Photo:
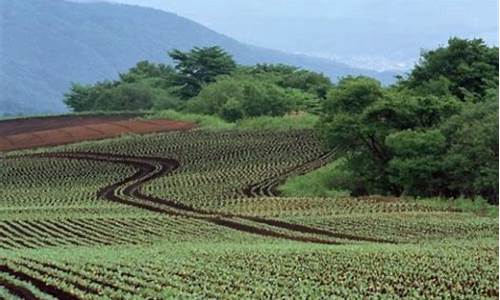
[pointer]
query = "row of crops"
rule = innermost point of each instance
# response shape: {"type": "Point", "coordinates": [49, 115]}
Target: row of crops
{"type": "Point", "coordinates": [82, 175]}
{"type": "Point", "coordinates": [224, 171]}
{"type": "Point", "coordinates": [33, 234]}
{"type": "Point", "coordinates": [259, 271]}
{"type": "Point", "coordinates": [45, 183]}
{"type": "Point", "coordinates": [216, 166]}
{"type": "Point", "coordinates": [197, 215]}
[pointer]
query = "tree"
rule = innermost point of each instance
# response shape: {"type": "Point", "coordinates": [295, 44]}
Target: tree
{"type": "Point", "coordinates": [79, 97]}
{"type": "Point", "coordinates": [417, 164]}
{"type": "Point", "coordinates": [198, 67]}
{"type": "Point", "coordinates": [457, 157]}
{"type": "Point", "coordinates": [471, 161]}
{"type": "Point", "coordinates": [147, 70]}
{"type": "Point", "coordinates": [87, 97]}
{"type": "Point", "coordinates": [234, 98]}
{"type": "Point", "coordinates": [127, 96]}
{"type": "Point", "coordinates": [468, 68]}
{"type": "Point", "coordinates": [291, 77]}
{"type": "Point", "coordinates": [345, 124]}
{"type": "Point", "coordinates": [384, 135]}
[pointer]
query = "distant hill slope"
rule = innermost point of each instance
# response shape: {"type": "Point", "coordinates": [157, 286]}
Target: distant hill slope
{"type": "Point", "coordinates": [47, 44]}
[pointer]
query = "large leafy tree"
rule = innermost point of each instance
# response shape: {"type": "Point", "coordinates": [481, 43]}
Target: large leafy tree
{"type": "Point", "coordinates": [471, 160]}
{"type": "Point", "coordinates": [458, 157]}
{"type": "Point", "coordinates": [466, 68]}
{"type": "Point", "coordinates": [374, 126]}
{"type": "Point", "coordinates": [200, 66]}
{"type": "Point", "coordinates": [434, 133]}
{"type": "Point", "coordinates": [346, 125]}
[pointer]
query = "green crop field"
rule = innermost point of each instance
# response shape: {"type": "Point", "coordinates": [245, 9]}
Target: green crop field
{"type": "Point", "coordinates": [199, 215]}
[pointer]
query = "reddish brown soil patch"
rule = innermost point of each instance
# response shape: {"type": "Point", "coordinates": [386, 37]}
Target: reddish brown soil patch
{"type": "Point", "coordinates": [17, 126]}
{"type": "Point", "coordinates": [41, 132]}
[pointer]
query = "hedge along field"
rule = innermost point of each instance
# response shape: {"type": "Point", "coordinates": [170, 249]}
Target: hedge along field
{"type": "Point", "coordinates": [199, 215]}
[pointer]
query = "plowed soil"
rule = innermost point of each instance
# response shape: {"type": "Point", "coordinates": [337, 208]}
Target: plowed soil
{"type": "Point", "coordinates": [51, 131]}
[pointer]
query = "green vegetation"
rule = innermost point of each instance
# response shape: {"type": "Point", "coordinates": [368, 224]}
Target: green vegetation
{"type": "Point", "coordinates": [209, 122]}
{"type": "Point", "coordinates": [271, 189]}
{"type": "Point", "coordinates": [234, 99]}
{"type": "Point", "coordinates": [323, 182]}
{"type": "Point", "coordinates": [206, 81]}
{"type": "Point", "coordinates": [466, 69]}
{"type": "Point", "coordinates": [435, 133]}
{"type": "Point", "coordinates": [204, 121]}
{"type": "Point", "coordinates": [291, 187]}
{"type": "Point", "coordinates": [199, 67]}
{"type": "Point", "coordinates": [287, 122]}
{"type": "Point", "coordinates": [478, 206]}
{"type": "Point", "coordinates": [59, 238]}
{"type": "Point", "coordinates": [255, 270]}
{"type": "Point", "coordinates": [143, 87]}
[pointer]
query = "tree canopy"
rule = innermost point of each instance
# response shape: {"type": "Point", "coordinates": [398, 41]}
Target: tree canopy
{"type": "Point", "coordinates": [467, 68]}
{"type": "Point", "coordinates": [198, 67]}
{"type": "Point", "coordinates": [435, 133]}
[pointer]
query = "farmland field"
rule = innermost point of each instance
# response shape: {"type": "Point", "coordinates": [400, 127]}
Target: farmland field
{"type": "Point", "coordinates": [28, 133]}
{"type": "Point", "coordinates": [198, 214]}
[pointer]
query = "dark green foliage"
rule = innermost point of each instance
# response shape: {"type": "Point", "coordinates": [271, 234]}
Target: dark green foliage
{"type": "Point", "coordinates": [87, 97]}
{"type": "Point", "coordinates": [235, 98]}
{"type": "Point", "coordinates": [262, 90]}
{"type": "Point", "coordinates": [472, 156]}
{"type": "Point", "coordinates": [292, 77]}
{"type": "Point", "coordinates": [435, 133]}
{"type": "Point", "coordinates": [417, 166]}
{"type": "Point", "coordinates": [353, 121]}
{"type": "Point", "coordinates": [130, 96]}
{"type": "Point", "coordinates": [460, 157]}
{"type": "Point", "coordinates": [164, 74]}
{"type": "Point", "coordinates": [143, 87]}
{"type": "Point", "coordinates": [228, 91]}
{"type": "Point", "coordinates": [198, 67]}
{"type": "Point", "coordinates": [353, 94]}
{"type": "Point", "coordinates": [468, 68]}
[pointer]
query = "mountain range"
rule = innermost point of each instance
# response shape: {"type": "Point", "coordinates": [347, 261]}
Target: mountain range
{"type": "Point", "coordinates": [370, 34]}
{"type": "Point", "coordinates": [47, 44]}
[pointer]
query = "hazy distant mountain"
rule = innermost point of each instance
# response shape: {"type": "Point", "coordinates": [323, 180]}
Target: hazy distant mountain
{"type": "Point", "coordinates": [379, 34]}
{"type": "Point", "coordinates": [46, 44]}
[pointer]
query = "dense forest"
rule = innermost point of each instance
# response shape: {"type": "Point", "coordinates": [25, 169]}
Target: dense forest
{"type": "Point", "coordinates": [433, 133]}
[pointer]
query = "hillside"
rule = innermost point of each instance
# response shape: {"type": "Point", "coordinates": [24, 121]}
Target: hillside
{"type": "Point", "coordinates": [47, 44]}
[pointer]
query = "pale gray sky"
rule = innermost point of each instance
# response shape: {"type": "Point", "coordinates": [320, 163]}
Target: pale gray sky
{"type": "Point", "coordinates": [378, 34]}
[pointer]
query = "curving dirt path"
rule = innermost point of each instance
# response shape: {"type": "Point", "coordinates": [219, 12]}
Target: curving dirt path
{"type": "Point", "coordinates": [269, 186]}
{"type": "Point", "coordinates": [128, 191]}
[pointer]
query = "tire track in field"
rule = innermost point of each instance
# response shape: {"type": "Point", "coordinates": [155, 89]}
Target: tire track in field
{"type": "Point", "coordinates": [269, 186]}
{"type": "Point", "coordinates": [128, 191]}
{"type": "Point", "coordinates": [38, 283]}
{"type": "Point", "coordinates": [18, 291]}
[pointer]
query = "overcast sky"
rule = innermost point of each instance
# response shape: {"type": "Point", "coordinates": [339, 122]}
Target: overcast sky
{"type": "Point", "coordinates": [378, 34]}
